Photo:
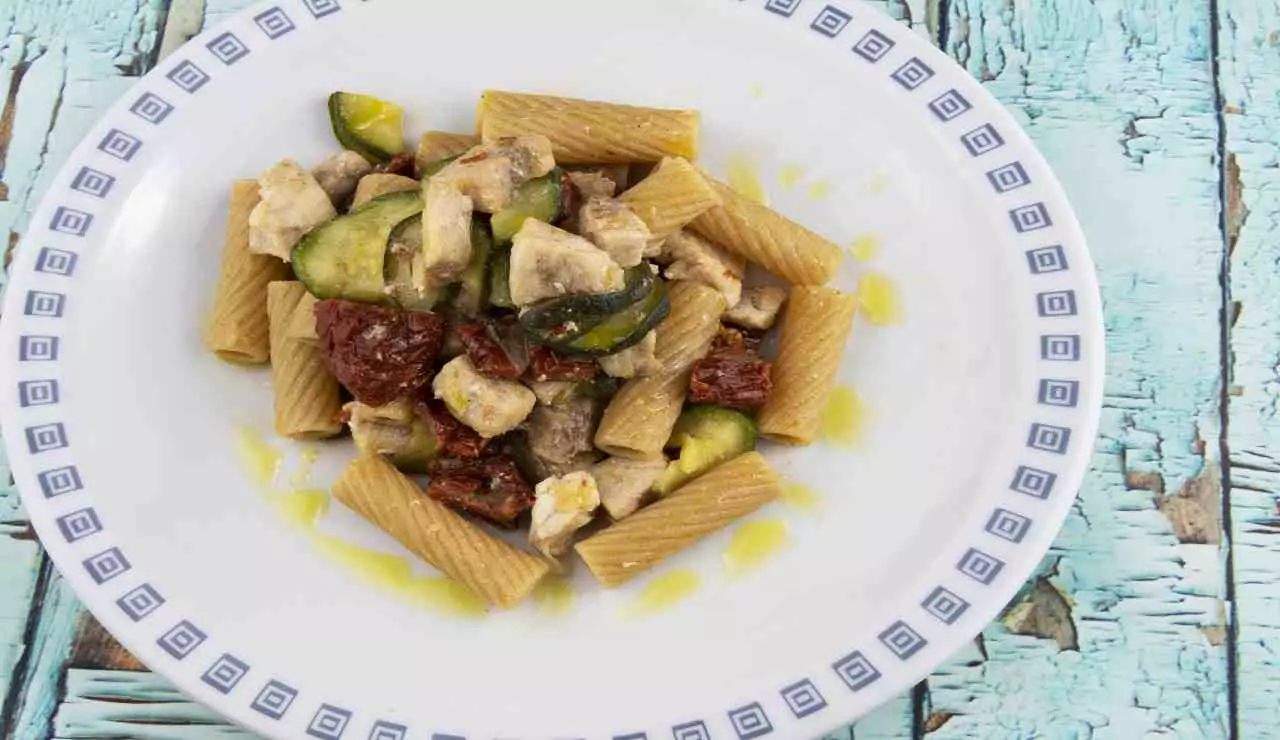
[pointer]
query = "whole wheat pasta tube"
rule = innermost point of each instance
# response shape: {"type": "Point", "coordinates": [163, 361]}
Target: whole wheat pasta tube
{"type": "Point", "coordinates": [437, 145]}
{"type": "Point", "coordinates": [485, 564]}
{"type": "Point", "coordinates": [710, 502]}
{"type": "Point", "coordinates": [813, 336]}
{"type": "Point", "coordinates": [768, 238]}
{"type": "Point", "coordinates": [639, 419]}
{"type": "Point", "coordinates": [238, 329]}
{"type": "Point", "coordinates": [307, 403]}
{"type": "Point", "coordinates": [302, 324]}
{"type": "Point", "coordinates": [586, 131]}
{"type": "Point", "coordinates": [674, 194]}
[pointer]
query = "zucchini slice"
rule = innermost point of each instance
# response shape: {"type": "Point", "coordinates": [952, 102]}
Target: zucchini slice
{"type": "Point", "coordinates": [566, 317]}
{"type": "Point", "coordinates": [706, 436]}
{"type": "Point", "coordinates": [367, 125]}
{"type": "Point", "coordinates": [541, 198]}
{"type": "Point", "coordinates": [344, 258]}
{"type": "Point", "coordinates": [623, 329]}
{"type": "Point", "coordinates": [473, 286]}
{"type": "Point", "coordinates": [401, 265]}
{"type": "Point", "coordinates": [500, 278]}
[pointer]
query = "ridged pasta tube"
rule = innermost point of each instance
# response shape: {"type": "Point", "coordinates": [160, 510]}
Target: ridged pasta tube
{"type": "Point", "coordinates": [768, 238]}
{"type": "Point", "coordinates": [814, 332]}
{"type": "Point", "coordinates": [710, 502]}
{"type": "Point", "coordinates": [491, 568]}
{"type": "Point", "coordinates": [673, 195]}
{"type": "Point", "coordinates": [238, 329]}
{"type": "Point", "coordinates": [639, 419]}
{"type": "Point", "coordinates": [590, 132]}
{"type": "Point", "coordinates": [437, 145]}
{"type": "Point", "coordinates": [306, 394]}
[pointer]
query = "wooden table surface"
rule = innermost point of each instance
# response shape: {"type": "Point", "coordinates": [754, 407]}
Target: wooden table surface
{"type": "Point", "coordinates": [1157, 613]}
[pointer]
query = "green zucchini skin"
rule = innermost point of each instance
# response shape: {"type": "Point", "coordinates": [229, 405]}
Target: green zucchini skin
{"type": "Point", "coordinates": [548, 318]}
{"type": "Point", "coordinates": [345, 257]}
{"type": "Point", "coordinates": [500, 278]}
{"type": "Point", "coordinates": [623, 329]}
{"type": "Point", "coordinates": [473, 286]}
{"type": "Point", "coordinates": [706, 437]}
{"type": "Point", "coordinates": [377, 143]}
{"type": "Point", "coordinates": [541, 198]}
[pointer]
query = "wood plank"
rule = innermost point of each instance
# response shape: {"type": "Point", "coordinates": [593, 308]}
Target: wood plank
{"type": "Point", "coordinates": [1248, 37]}
{"type": "Point", "coordinates": [1121, 634]}
{"type": "Point", "coordinates": [60, 64]}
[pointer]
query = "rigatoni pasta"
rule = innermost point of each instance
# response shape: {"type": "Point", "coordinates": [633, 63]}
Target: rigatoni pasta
{"type": "Point", "coordinates": [590, 132]}
{"type": "Point", "coordinates": [768, 238]}
{"type": "Point", "coordinates": [814, 331]}
{"type": "Point", "coordinates": [438, 145]}
{"type": "Point", "coordinates": [307, 401]}
{"type": "Point", "coordinates": [727, 492]}
{"type": "Point", "coordinates": [639, 419]}
{"type": "Point", "coordinates": [238, 328]}
{"type": "Point", "coordinates": [674, 194]}
{"type": "Point", "coordinates": [491, 568]}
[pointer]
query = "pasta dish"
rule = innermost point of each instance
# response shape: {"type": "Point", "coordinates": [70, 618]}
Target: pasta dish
{"type": "Point", "coordinates": [546, 318]}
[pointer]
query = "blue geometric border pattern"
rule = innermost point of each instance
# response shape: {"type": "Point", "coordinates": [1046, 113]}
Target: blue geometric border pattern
{"type": "Point", "coordinates": [140, 602]}
{"type": "Point", "coordinates": [329, 722]}
{"type": "Point", "coordinates": [225, 673]}
{"type": "Point", "coordinates": [696, 730]}
{"type": "Point", "coordinates": [750, 721]}
{"type": "Point", "coordinates": [383, 730]}
{"type": "Point", "coordinates": [274, 699]}
{"type": "Point", "coordinates": [79, 524]}
{"type": "Point", "coordinates": [803, 698]}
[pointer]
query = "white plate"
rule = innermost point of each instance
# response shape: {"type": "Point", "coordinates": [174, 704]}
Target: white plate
{"type": "Point", "coordinates": [983, 402]}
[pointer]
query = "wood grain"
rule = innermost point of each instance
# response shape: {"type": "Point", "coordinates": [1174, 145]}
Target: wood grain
{"type": "Point", "coordinates": [1120, 98]}
{"type": "Point", "coordinates": [1249, 80]}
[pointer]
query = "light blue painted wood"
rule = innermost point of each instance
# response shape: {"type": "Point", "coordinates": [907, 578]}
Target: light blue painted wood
{"type": "Point", "coordinates": [1250, 83]}
{"type": "Point", "coordinates": [60, 64]}
{"type": "Point", "coordinates": [1119, 96]}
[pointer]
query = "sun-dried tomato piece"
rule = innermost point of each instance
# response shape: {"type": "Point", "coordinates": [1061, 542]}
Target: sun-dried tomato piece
{"type": "Point", "coordinates": [456, 439]}
{"type": "Point", "coordinates": [731, 377]}
{"type": "Point", "coordinates": [488, 357]}
{"type": "Point", "coordinates": [401, 164]}
{"type": "Point", "coordinates": [546, 364]}
{"type": "Point", "coordinates": [379, 353]}
{"type": "Point", "coordinates": [492, 488]}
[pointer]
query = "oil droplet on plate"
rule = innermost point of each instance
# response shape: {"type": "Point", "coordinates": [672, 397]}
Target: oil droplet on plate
{"type": "Point", "coordinates": [877, 185]}
{"type": "Point", "coordinates": [754, 543]}
{"type": "Point", "coordinates": [664, 592]}
{"type": "Point", "coordinates": [878, 299]}
{"type": "Point", "coordinates": [302, 507]}
{"type": "Point", "coordinates": [790, 174]}
{"type": "Point", "coordinates": [260, 459]}
{"type": "Point", "coordinates": [394, 574]}
{"type": "Point", "coordinates": [843, 417]}
{"type": "Point", "coordinates": [819, 190]}
{"type": "Point", "coordinates": [307, 460]}
{"type": "Point", "coordinates": [757, 91]}
{"type": "Point", "coordinates": [800, 496]}
{"type": "Point", "coordinates": [864, 248]}
{"type": "Point", "coordinates": [744, 177]}
{"type": "Point", "coordinates": [554, 595]}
